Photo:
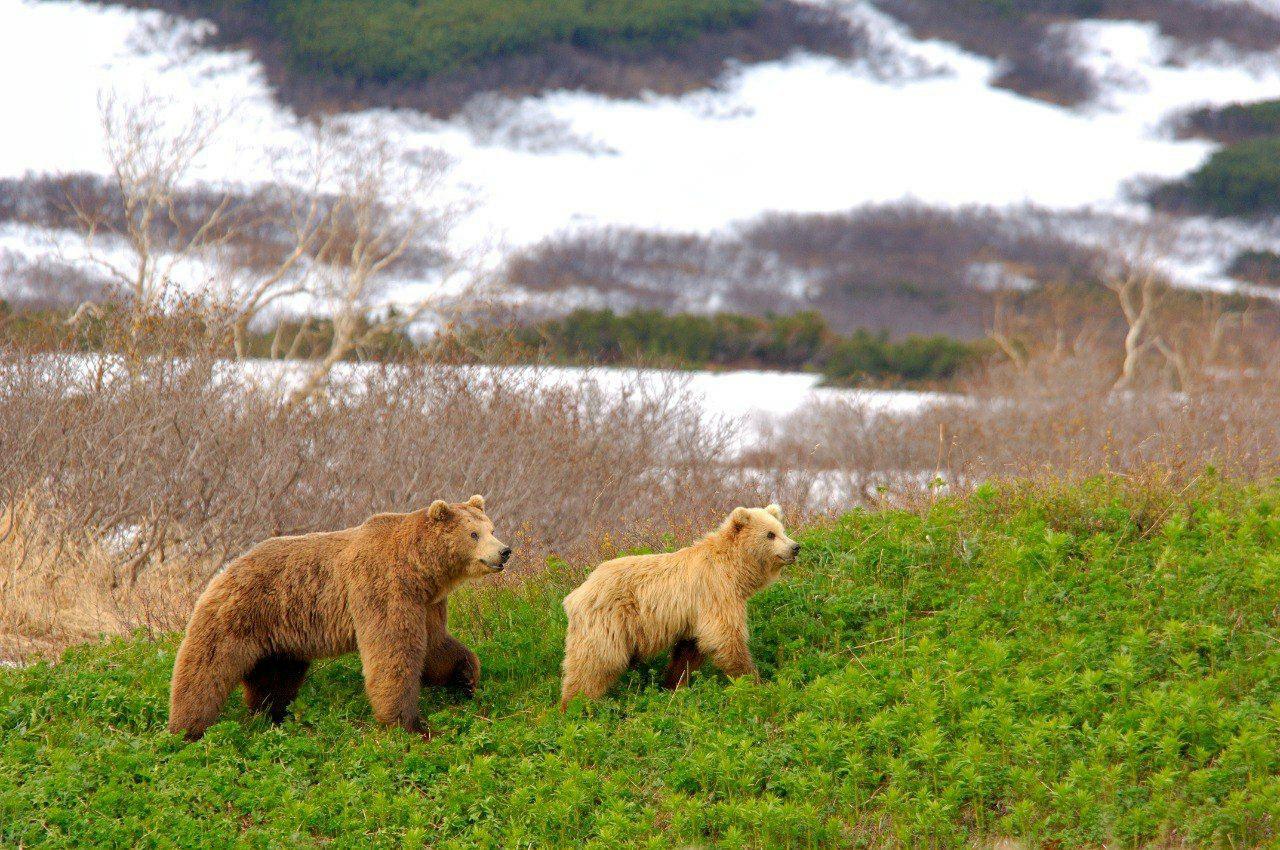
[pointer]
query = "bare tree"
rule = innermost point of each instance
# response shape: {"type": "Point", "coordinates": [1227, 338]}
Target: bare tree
{"type": "Point", "coordinates": [139, 241]}
{"type": "Point", "coordinates": [157, 225]}
{"type": "Point", "coordinates": [376, 220]}
{"type": "Point", "coordinates": [340, 220]}
{"type": "Point", "coordinates": [1139, 291]}
{"type": "Point", "coordinates": [295, 211]}
{"type": "Point", "coordinates": [1001, 330]}
{"type": "Point", "coordinates": [1198, 340]}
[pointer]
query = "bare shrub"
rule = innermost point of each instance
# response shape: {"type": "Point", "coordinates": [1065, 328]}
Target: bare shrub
{"type": "Point", "coordinates": [256, 227]}
{"type": "Point", "coordinates": [45, 283]}
{"type": "Point", "coordinates": [121, 491]}
{"type": "Point", "coordinates": [636, 268]}
{"type": "Point", "coordinates": [341, 218]}
{"type": "Point", "coordinates": [1038, 60]}
{"type": "Point", "coordinates": [1163, 380]}
{"type": "Point", "coordinates": [1199, 25]}
{"type": "Point", "coordinates": [903, 267]}
{"type": "Point", "coordinates": [884, 265]}
{"type": "Point", "coordinates": [1051, 416]}
{"type": "Point", "coordinates": [1039, 56]}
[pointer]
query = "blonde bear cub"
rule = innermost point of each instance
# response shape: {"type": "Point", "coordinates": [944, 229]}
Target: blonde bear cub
{"type": "Point", "coordinates": [631, 609]}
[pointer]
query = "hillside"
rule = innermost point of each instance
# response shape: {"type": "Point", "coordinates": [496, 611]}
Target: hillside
{"type": "Point", "coordinates": [322, 55]}
{"type": "Point", "coordinates": [1039, 59]}
{"type": "Point", "coordinates": [1071, 666]}
{"type": "Point", "coordinates": [826, 176]}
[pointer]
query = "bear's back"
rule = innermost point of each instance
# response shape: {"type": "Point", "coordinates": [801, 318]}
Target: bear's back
{"type": "Point", "coordinates": [631, 578]}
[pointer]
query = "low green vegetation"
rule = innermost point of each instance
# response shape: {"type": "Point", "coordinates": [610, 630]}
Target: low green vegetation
{"type": "Point", "coordinates": [1240, 179]}
{"type": "Point", "coordinates": [866, 356]}
{"type": "Point", "coordinates": [799, 341]}
{"type": "Point", "coordinates": [411, 40]}
{"type": "Point", "coordinates": [1243, 177]}
{"type": "Point", "coordinates": [1068, 666]}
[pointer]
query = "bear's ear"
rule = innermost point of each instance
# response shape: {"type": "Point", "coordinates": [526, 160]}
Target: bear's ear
{"type": "Point", "coordinates": [476, 502]}
{"type": "Point", "coordinates": [439, 510]}
{"type": "Point", "coordinates": [739, 519]}
{"type": "Point", "coordinates": [775, 511]}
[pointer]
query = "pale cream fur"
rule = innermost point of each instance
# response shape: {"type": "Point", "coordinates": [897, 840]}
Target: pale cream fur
{"type": "Point", "coordinates": [633, 608]}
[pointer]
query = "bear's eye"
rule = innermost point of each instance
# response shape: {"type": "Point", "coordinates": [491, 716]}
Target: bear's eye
{"type": "Point", "coordinates": [772, 535]}
{"type": "Point", "coordinates": [475, 535]}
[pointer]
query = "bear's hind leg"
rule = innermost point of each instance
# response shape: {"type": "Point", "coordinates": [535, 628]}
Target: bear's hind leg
{"type": "Point", "coordinates": [591, 667]}
{"type": "Point", "coordinates": [592, 683]}
{"type": "Point", "coordinates": [273, 683]}
{"type": "Point", "coordinates": [685, 658]}
{"type": "Point", "coordinates": [452, 665]}
{"type": "Point", "coordinates": [206, 671]}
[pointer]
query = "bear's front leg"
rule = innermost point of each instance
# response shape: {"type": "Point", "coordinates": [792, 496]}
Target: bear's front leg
{"type": "Point", "coordinates": [725, 637]}
{"type": "Point", "coordinates": [392, 681]}
{"type": "Point", "coordinates": [735, 660]}
{"type": "Point", "coordinates": [392, 652]}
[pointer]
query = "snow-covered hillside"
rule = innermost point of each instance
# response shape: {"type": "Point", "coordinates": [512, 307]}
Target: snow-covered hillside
{"type": "Point", "coordinates": [806, 134]}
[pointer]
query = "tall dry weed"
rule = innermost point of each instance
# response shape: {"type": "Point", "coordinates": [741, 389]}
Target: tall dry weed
{"type": "Point", "coordinates": [124, 486]}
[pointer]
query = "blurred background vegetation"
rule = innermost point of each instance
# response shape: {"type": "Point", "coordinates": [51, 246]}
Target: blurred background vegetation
{"type": "Point", "coordinates": [385, 39]}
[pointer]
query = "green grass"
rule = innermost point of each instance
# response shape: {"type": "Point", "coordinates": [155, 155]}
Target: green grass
{"type": "Point", "coordinates": [1070, 666]}
{"type": "Point", "coordinates": [416, 39]}
{"type": "Point", "coordinates": [801, 340]}
{"type": "Point", "coordinates": [1240, 179]}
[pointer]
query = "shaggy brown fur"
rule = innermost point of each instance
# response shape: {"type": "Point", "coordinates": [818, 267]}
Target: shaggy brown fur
{"type": "Point", "coordinates": [632, 609]}
{"type": "Point", "coordinates": [379, 588]}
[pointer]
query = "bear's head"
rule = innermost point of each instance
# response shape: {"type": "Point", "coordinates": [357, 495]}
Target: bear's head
{"type": "Point", "coordinates": [761, 542]}
{"type": "Point", "coordinates": [463, 534]}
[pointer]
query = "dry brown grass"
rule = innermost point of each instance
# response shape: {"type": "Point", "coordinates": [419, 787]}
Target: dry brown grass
{"type": "Point", "coordinates": [60, 588]}
{"type": "Point", "coordinates": [125, 483]}
{"type": "Point", "coordinates": [1055, 418]}
{"type": "Point", "coordinates": [124, 488]}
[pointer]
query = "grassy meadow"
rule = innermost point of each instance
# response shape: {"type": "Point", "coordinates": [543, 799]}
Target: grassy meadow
{"type": "Point", "coordinates": [1056, 665]}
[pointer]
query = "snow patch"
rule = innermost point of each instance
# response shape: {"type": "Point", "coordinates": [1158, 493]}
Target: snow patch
{"type": "Point", "coordinates": [807, 134]}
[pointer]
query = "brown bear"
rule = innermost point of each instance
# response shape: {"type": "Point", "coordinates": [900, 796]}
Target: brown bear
{"type": "Point", "coordinates": [631, 609]}
{"type": "Point", "coordinates": [378, 588]}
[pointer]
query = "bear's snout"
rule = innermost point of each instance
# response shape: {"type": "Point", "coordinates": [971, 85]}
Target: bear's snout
{"type": "Point", "coordinates": [795, 549]}
{"type": "Point", "coordinates": [504, 557]}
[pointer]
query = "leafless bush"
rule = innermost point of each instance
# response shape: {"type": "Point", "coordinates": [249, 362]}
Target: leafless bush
{"type": "Point", "coordinates": [885, 265]}
{"type": "Point", "coordinates": [903, 267]}
{"type": "Point", "coordinates": [1158, 379]}
{"type": "Point", "coordinates": [637, 268]}
{"type": "Point", "coordinates": [44, 283]}
{"type": "Point", "coordinates": [122, 490]}
{"type": "Point", "coordinates": [1197, 24]}
{"type": "Point", "coordinates": [1038, 60]}
{"type": "Point", "coordinates": [253, 225]}
{"type": "Point", "coordinates": [343, 215]}
{"type": "Point", "coordinates": [1039, 56]}
{"type": "Point", "coordinates": [1051, 416]}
